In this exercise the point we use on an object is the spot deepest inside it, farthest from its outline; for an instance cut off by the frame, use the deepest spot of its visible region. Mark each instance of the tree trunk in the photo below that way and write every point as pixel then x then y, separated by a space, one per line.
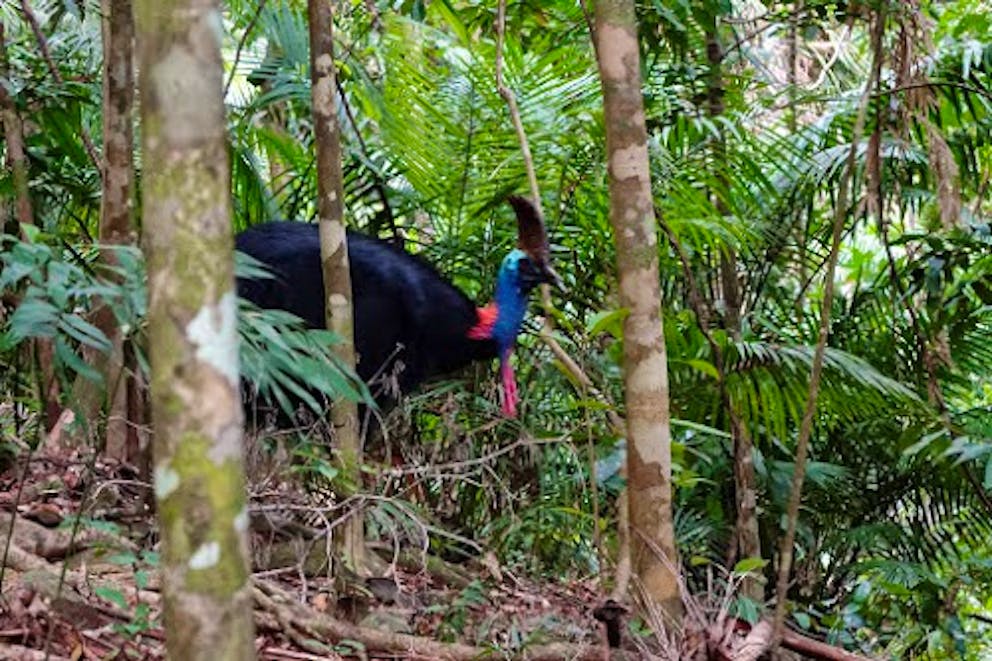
pixel 13 134
pixel 116 227
pixel 117 206
pixel 334 257
pixel 841 211
pixel 746 541
pixel 192 333
pixel 649 463
pixel 43 353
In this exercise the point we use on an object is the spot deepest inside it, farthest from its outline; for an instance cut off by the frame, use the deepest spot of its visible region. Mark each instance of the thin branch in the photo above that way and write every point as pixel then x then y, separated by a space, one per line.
pixel 511 102
pixel 57 75
pixel 935 83
pixel 806 427
pixel 241 45
pixel 377 182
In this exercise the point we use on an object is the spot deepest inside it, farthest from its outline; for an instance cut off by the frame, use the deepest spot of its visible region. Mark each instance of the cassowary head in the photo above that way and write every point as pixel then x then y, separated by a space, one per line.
pixel 523 269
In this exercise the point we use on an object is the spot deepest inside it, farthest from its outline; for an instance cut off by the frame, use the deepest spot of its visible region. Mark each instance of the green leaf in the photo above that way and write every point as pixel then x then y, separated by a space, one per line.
pixel 610 321
pixel 113 595
pixel 86 333
pixel 67 356
pixel 749 565
pixel 747 609
pixel 34 318
pixel 703 366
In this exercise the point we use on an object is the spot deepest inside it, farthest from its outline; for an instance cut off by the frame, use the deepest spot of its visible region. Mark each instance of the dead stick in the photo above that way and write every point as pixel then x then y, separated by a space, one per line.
pixel 806 426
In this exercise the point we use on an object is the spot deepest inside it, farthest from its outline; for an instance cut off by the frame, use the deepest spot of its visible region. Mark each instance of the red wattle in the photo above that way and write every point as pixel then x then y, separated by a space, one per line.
pixel 483 329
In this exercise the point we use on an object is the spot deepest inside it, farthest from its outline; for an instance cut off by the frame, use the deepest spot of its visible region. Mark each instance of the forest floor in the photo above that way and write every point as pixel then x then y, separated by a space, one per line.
pixel 80 581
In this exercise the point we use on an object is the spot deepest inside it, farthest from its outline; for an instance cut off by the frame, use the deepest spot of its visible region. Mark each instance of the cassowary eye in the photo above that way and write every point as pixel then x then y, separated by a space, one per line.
pixel 531 275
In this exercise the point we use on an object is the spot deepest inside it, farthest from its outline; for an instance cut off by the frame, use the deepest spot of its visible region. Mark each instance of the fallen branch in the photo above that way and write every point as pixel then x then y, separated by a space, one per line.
pixel 22 653
pixel 816 649
pixel 296 619
pixel 416 561
pixel 55 544
pixel 759 640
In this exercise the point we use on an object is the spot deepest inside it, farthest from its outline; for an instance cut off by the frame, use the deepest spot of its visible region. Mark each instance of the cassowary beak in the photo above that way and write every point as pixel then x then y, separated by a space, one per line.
pixel 552 278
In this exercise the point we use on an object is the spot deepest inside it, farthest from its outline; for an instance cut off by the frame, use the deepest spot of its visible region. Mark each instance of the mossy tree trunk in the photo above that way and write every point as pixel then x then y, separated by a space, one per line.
pixel 334 257
pixel 192 333
pixel 649 463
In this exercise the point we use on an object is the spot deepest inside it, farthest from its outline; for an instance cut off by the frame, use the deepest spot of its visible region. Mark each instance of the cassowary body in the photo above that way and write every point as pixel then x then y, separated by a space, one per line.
pixel 404 309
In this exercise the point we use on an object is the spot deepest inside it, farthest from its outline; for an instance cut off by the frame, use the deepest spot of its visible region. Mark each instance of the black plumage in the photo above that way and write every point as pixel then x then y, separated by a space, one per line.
pixel 404 309
pixel 407 315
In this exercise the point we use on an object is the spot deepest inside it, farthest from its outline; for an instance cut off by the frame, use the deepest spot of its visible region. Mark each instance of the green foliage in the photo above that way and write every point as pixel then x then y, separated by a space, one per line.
pixel 893 546
pixel 56 288
pixel 54 284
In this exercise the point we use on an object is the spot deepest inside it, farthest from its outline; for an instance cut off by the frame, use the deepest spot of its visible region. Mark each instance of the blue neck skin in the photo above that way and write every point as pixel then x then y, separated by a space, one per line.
pixel 511 302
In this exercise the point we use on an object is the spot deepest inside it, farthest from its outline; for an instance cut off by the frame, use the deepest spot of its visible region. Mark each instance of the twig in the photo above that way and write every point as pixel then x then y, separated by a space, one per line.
pixel 806 426
pixel 377 182
pixel 77 522
pixel 934 83
pixel 14 514
pixel 511 102
pixel 241 45
pixel 57 75
pixel 460 465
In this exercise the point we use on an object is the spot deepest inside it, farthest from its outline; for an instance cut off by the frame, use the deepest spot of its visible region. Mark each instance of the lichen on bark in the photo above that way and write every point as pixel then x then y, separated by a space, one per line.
pixel 196 406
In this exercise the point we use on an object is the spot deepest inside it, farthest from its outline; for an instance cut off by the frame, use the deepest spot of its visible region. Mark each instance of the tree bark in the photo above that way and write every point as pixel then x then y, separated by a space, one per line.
pixel 649 463
pixel 334 257
pixel 192 328
pixel 43 353
pixel 746 542
pixel 13 133
pixel 116 228
pixel 117 206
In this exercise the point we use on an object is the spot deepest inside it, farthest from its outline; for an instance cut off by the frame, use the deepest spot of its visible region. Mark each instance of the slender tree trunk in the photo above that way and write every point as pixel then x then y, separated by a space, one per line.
pixel 117 207
pixel 649 461
pixel 16 163
pixel 841 211
pixel 193 342
pixel 116 227
pixel 746 541
pixel 13 133
pixel 334 255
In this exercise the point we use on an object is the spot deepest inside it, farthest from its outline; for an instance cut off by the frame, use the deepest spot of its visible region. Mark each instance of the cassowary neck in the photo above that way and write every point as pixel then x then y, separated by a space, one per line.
pixel 511 302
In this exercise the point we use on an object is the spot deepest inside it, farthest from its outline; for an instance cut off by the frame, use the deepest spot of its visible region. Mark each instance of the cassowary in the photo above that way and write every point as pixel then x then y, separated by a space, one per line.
pixel 404 309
